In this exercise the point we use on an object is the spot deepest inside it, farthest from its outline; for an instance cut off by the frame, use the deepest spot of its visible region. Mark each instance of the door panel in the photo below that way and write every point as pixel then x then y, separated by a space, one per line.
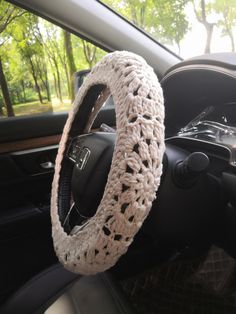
pixel 39 126
pixel 20 145
pixel 27 145
pixel 38 63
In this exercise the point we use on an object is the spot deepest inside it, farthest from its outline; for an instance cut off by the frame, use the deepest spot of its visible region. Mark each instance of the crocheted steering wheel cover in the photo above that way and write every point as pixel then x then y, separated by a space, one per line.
pixel 135 170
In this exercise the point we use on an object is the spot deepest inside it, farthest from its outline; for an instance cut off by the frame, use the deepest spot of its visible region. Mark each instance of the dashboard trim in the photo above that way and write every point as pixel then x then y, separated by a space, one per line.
pixel 201 141
pixel 186 68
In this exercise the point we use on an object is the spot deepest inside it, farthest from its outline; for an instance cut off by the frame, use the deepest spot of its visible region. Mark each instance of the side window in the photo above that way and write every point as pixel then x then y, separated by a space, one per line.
pixel 39 63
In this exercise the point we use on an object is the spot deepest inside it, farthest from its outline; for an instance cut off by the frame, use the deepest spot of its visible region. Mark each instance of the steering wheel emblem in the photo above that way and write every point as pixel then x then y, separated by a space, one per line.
pixel 78 154
pixel 83 158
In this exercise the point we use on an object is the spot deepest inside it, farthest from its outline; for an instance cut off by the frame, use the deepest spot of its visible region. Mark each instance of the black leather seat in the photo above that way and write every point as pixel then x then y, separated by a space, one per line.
pixel 58 291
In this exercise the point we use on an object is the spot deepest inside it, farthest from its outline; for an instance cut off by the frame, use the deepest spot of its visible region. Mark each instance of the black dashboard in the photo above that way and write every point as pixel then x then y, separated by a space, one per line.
pixel 194 85
pixel 200 102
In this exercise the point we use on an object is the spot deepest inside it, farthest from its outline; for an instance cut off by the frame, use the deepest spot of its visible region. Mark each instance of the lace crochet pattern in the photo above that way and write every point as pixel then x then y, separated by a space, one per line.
pixel 135 170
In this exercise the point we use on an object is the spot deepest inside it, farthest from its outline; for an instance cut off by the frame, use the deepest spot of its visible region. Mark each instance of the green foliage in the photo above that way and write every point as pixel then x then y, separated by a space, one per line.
pixel 38 65
pixel 172 20
pixel 34 60
pixel 168 21
pixel 165 20
pixel 227 18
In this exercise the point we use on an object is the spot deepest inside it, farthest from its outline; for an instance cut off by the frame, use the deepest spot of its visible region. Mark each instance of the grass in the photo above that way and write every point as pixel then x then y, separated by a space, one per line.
pixel 35 107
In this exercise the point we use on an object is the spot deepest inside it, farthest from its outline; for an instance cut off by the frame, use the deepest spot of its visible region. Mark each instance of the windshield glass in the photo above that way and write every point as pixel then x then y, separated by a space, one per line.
pixel 187 27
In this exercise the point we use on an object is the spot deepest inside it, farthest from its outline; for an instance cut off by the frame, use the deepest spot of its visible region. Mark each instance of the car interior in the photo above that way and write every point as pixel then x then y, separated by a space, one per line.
pixel 182 259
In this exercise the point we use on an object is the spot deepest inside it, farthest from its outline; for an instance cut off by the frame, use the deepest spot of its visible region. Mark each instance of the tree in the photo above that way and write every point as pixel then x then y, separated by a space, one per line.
pixel 89 53
pixel 227 11
pixel 30 48
pixel 70 60
pixel 17 71
pixel 36 55
pixel 41 69
pixel 138 12
pixel 201 15
pixel 171 24
pixel 8 13
pixel 1 108
pixel 165 20
pixel 50 42
pixel 82 61
pixel 5 92
pixel 29 52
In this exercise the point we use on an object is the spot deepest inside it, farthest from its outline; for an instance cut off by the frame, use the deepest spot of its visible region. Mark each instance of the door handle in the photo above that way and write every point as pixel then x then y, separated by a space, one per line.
pixel 47 165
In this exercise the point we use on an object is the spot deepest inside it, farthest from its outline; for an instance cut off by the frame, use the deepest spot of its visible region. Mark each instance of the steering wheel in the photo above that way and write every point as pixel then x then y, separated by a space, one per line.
pixel 92 226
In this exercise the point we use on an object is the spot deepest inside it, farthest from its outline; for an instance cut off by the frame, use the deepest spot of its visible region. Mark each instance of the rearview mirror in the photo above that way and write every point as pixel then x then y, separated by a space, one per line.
pixel 79 78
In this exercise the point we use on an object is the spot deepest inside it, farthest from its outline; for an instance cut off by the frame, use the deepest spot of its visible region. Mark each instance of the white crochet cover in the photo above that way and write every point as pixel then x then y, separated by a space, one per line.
pixel 135 170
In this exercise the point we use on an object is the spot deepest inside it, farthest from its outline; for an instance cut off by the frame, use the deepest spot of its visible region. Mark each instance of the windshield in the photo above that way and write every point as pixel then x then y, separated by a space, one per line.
pixel 187 27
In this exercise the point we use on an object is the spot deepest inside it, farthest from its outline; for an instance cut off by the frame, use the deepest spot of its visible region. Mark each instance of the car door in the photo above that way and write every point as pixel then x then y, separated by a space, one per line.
pixel 38 61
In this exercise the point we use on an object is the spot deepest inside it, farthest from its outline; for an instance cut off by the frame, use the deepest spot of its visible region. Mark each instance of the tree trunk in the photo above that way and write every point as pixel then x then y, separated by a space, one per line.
pixel 45 83
pixel 5 92
pixel 58 79
pixel 55 85
pixel 133 12
pixel 1 110
pixel 18 96
pixel 209 31
pixel 47 87
pixel 202 18
pixel 178 45
pixel 142 16
pixel 36 81
pixel 231 36
pixel 68 81
pixel 89 53
pixel 71 62
pixel 23 89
